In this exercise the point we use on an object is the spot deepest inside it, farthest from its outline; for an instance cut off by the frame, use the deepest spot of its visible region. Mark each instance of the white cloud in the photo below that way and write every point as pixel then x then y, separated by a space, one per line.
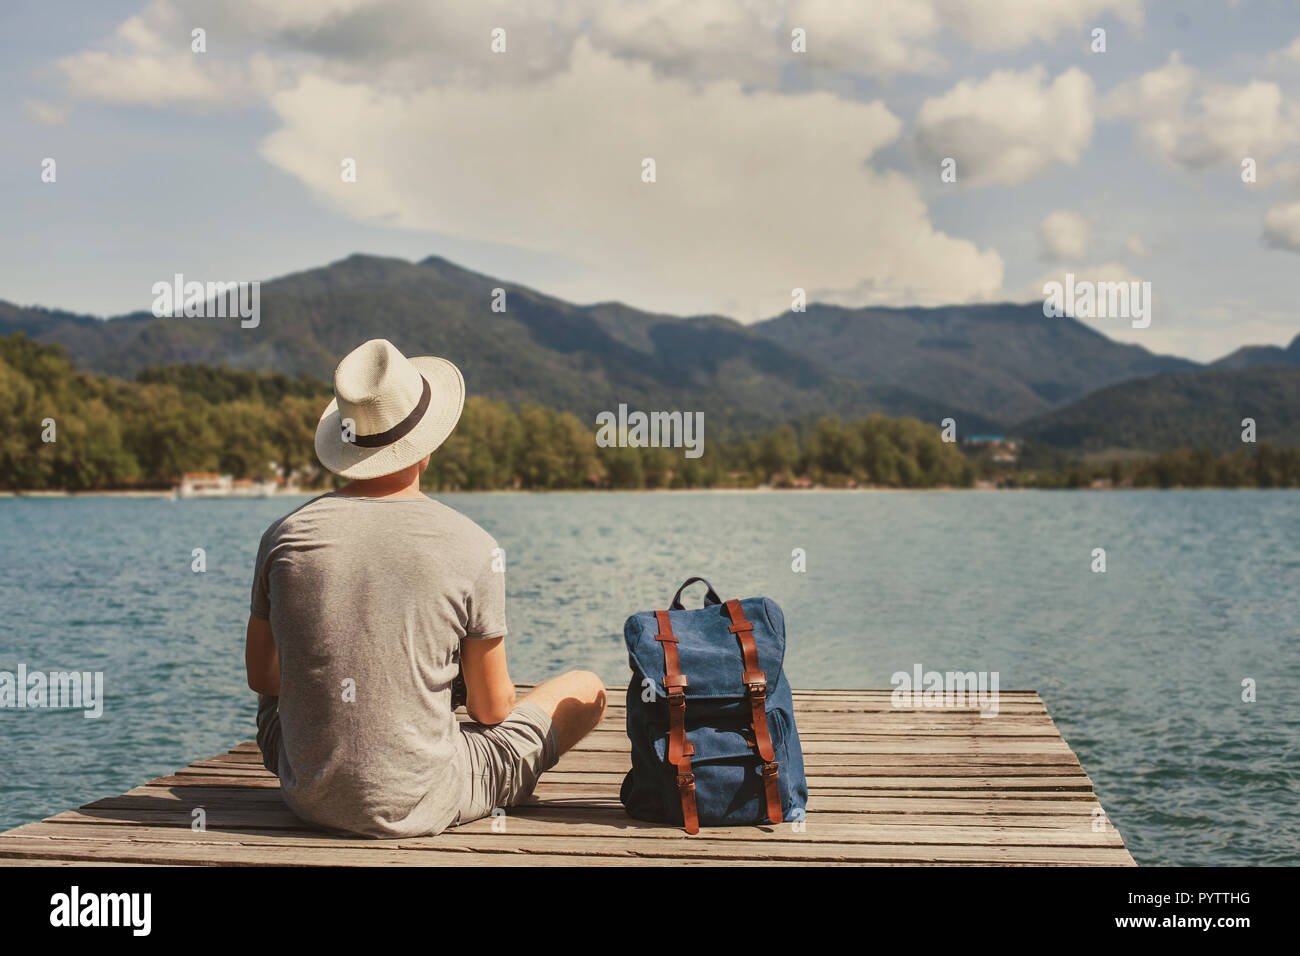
pixel 141 79
pixel 1193 123
pixel 415 43
pixel 1011 24
pixel 1282 227
pixel 750 39
pixel 1009 127
pixel 1064 235
pixel 1279 171
pixel 443 128
pixel 882 38
pixel 757 193
pixel 700 38
pixel 45 113
pixel 1157 99
pixel 256 45
pixel 1136 246
pixel 1289 54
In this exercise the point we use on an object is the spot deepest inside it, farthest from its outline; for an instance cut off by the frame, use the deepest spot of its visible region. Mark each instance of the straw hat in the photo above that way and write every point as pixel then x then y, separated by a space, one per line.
pixel 398 410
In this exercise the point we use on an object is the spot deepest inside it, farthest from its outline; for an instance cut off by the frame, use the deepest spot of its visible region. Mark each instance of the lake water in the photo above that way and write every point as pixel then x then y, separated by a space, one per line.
pixel 1141 667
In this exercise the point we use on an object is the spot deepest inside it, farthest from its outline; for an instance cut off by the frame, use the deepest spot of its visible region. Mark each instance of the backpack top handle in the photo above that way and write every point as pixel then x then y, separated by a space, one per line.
pixel 710 596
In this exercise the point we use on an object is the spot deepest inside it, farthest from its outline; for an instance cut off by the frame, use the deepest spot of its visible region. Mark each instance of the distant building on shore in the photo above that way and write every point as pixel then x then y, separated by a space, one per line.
pixel 208 484
pixel 990 441
pixel 1002 449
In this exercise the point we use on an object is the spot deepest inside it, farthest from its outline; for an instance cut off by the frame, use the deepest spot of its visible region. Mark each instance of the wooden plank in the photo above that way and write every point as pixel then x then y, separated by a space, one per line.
pixel 815 691
pixel 621 758
pixel 616 711
pixel 967 804
pixel 607 825
pixel 54 861
pixel 837 765
pixel 889 786
pixel 238 815
pixel 610 782
pixel 829 784
pixel 664 844
pixel 896 744
pixel 98 853
pixel 842 777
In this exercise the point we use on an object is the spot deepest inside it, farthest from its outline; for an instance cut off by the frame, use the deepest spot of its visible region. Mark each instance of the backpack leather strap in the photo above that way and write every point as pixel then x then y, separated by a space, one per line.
pixel 756 688
pixel 679 748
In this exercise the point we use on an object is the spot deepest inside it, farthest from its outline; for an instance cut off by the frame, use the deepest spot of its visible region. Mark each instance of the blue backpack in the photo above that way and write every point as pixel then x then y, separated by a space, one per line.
pixel 710 716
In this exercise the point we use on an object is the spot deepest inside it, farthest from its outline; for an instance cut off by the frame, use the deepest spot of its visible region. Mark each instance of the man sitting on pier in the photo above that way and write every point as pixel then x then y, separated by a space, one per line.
pixel 365 600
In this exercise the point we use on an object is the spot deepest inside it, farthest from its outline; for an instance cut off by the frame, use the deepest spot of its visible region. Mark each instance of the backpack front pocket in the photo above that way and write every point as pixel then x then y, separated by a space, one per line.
pixel 728 774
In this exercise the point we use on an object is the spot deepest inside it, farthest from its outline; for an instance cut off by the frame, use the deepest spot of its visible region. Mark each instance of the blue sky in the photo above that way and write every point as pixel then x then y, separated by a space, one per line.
pixel 774 169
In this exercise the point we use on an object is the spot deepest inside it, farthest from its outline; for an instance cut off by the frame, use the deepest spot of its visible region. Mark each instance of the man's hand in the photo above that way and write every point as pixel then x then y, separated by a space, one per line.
pixel 260 658
pixel 490 693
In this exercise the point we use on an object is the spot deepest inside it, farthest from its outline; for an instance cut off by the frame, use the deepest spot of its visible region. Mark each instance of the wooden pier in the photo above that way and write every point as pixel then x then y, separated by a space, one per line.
pixel 887 786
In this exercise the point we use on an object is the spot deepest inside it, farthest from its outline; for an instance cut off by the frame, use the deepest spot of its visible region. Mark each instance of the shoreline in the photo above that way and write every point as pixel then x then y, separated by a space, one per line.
pixel 761 489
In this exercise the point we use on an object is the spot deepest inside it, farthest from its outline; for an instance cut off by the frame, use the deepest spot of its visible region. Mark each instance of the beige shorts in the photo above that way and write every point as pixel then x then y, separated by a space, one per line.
pixel 505 760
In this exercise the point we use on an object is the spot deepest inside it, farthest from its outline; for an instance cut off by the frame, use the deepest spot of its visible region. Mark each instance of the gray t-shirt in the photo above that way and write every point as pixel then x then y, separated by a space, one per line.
pixel 369 599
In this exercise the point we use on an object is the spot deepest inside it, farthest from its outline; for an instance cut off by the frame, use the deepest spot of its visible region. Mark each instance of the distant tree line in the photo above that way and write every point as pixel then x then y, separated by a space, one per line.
pixel 111 433
pixel 108 433
pixel 1264 466
pixel 115 434
pixel 494 447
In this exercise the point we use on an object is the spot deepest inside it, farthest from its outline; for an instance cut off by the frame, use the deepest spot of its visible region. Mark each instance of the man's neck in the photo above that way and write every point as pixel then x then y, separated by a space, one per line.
pixel 400 485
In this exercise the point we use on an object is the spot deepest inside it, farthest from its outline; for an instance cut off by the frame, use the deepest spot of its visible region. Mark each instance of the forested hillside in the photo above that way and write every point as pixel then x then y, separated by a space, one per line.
pixel 111 433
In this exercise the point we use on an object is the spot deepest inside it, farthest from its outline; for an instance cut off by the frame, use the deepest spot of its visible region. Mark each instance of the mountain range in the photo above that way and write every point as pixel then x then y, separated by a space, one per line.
pixel 993 368
pixel 1201 409
pixel 1007 361
pixel 1254 356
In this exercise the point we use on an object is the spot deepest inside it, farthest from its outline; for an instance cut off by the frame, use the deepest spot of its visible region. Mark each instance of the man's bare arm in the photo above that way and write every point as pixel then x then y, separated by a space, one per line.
pixel 490 694
pixel 260 659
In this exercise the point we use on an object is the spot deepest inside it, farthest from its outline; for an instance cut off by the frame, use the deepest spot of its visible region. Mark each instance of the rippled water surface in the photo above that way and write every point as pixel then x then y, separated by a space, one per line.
pixel 1141 667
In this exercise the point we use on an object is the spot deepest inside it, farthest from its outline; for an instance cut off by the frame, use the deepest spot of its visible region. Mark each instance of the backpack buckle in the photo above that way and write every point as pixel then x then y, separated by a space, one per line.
pixel 686 781
pixel 675 685
pixel 770 767
pixel 756 684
